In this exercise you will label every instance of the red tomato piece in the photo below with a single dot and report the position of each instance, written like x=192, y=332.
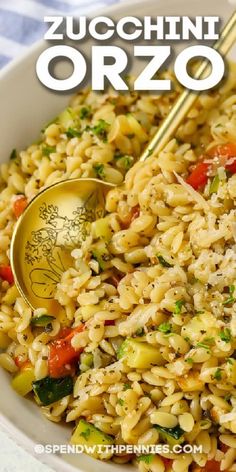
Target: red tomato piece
x=19, y=206
x=6, y=274
x=198, y=177
x=227, y=151
x=109, y=322
x=62, y=354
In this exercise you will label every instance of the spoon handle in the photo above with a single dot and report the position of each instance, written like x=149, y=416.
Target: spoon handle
x=187, y=98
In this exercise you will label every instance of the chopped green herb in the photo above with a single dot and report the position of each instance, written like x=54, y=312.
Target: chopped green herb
x=124, y=162
x=147, y=458
x=227, y=397
x=100, y=129
x=163, y=262
x=13, y=154
x=206, y=343
x=127, y=386
x=140, y=332
x=85, y=112
x=218, y=374
x=189, y=360
x=47, y=150
x=165, y=328
x=120, y=401
x=178, y=306
x=225, y=335
x=85, y=434
x=99, y=169
x=150, y=151
x=231, y=298
x=214, y=185
x=73, y=133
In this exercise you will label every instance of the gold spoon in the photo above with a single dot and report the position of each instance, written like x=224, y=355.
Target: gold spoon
x=58, y=218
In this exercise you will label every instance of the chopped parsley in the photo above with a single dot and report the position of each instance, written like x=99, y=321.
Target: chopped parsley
x=127, y=386
x=225, y=335
x=73, y=133
x=47, y=150
x=218, y=374
x=206, y=343
x=85, y=112
x=99, y=170
x=163, y=262
x=189, y=360
x=150, y=151
x=147, y=458
x=120, y=401
x=13, y=154
x=85, y=434
x=165, y=328
x=178, y=306
x=124, y=161
x=231, y=298
x=100, y=129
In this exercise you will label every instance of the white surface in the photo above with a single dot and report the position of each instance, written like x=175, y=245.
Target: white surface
x=14, y=459
x=25, y=107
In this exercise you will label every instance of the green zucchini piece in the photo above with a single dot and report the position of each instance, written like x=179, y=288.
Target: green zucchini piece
x=214, y=184
x=101, y=254
x=87, y=434
x=172, y=436
x=49, y=390
x=42, y=320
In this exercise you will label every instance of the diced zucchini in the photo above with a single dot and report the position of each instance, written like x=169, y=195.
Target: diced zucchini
x=139, y=355
x=195, y=328
x=88, y=435
x=42, y=320
x=101, y=255
x=86, y=361
x=172, y=436
x=68, y=118
x=214, y=185
x=49, y=390
x=101, y=229
x=23, y=382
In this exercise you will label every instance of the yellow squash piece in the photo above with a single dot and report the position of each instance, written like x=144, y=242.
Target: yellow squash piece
x=140, y=355
x=22, y=382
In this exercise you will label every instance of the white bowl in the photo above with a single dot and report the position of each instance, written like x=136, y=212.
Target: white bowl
x=25, y=106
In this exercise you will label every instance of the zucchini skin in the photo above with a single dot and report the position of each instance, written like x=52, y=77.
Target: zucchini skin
x=49, y=390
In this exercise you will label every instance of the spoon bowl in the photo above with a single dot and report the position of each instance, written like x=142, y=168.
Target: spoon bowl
x=57, y=220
